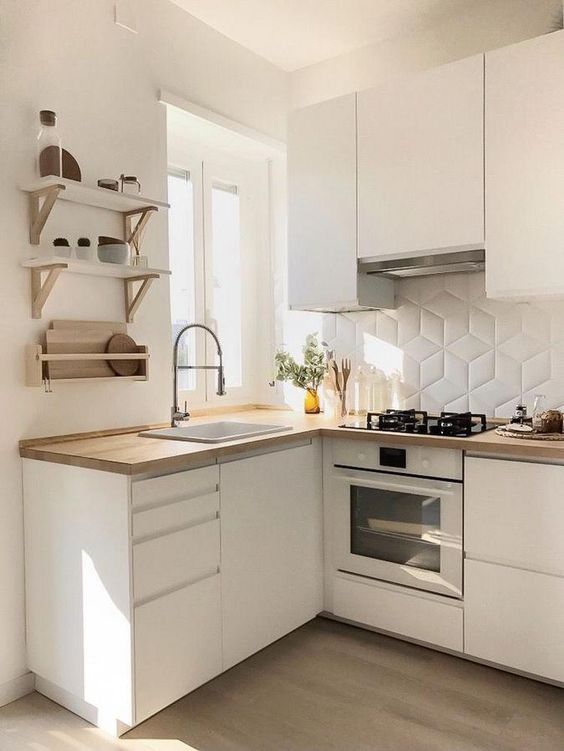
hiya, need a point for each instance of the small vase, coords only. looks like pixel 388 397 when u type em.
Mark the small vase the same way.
pixel 311 402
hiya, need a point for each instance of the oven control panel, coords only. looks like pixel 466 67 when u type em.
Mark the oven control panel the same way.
pixel 413 460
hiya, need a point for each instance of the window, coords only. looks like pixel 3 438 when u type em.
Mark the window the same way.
pixel 213 247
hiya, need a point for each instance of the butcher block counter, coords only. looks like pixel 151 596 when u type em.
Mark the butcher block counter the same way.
pixel 125 452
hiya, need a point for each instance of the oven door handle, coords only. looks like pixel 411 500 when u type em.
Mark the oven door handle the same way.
pixel 444 487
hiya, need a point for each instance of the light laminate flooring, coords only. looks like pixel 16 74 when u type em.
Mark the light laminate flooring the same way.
pixel 325 687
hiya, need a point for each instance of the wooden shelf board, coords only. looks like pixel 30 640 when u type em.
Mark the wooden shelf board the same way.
pixel 93 356
pixel 53 381
pixel 101 198
pixel 94 268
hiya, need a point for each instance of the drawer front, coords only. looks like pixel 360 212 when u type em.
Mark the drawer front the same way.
pixel 180 485
pixel 163 563
pixel 515 618
pixel 514 513
pixel 400 613
pixel 171 516
pixel 445 463
pixel 177 645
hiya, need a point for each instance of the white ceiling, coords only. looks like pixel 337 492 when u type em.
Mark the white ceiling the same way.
pixel 295 33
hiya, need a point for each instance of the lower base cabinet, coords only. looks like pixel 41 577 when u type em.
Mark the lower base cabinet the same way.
pixel 177 644
pixel 515 618
pixel 271 547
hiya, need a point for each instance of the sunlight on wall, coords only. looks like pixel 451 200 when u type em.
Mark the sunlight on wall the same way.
pixel 382 355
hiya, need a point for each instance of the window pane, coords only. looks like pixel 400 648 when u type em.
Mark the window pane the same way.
pixel 226 271
pixel 181 251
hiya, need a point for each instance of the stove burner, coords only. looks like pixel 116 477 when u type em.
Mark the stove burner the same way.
pixel 452 424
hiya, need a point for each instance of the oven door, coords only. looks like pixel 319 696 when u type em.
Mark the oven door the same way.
pixel 399 529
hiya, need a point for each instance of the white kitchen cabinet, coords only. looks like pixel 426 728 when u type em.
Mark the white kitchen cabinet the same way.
pixel 177 644
pixel 514 514
pixel 525 168
pixel 514 568
pixel 421 163
pixel 322 212
pixel 122 588
pixel 271 547
pixel 515 618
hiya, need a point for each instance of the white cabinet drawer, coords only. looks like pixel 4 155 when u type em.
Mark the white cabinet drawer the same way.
pixel 412 615
pixel 514 513
pixel 175 515
pixel 177 645
pixel 162 563
pixel 180 485
pixel 515 618
pixel 446 463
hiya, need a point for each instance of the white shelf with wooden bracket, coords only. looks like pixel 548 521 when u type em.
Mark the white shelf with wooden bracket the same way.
pixel 52 266
pixel 44 193
pixel 37 373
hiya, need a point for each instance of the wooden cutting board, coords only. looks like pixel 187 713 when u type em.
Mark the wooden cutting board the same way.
pixel 78 341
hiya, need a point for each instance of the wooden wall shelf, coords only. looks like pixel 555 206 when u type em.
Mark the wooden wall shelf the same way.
pixel 44 193
pixel 37 373
pixel 52 267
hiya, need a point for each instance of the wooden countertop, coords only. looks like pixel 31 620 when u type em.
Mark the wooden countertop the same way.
pixel 125 452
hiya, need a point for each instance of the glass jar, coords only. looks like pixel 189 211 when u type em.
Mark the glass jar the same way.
pixel 538 410
pixel 49 149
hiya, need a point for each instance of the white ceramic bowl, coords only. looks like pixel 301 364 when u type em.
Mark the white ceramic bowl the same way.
pixel 116 253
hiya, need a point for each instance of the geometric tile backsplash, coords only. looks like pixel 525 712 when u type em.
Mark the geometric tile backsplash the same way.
pixel 453 348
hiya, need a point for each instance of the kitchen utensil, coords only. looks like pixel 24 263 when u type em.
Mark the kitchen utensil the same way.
pixel 123 343
pixel 346 371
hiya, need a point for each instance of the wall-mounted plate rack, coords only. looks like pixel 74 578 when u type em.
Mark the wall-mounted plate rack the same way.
pixel 52 267
pixel 37 373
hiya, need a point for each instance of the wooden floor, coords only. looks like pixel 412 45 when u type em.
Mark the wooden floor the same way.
pixel 325 687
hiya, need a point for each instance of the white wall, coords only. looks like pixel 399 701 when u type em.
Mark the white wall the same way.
pixel 103 81
pixel 485 25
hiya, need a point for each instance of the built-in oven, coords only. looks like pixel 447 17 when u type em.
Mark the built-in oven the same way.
pixel 396 519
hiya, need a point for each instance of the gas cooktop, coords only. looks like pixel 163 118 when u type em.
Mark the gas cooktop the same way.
pixel 454 424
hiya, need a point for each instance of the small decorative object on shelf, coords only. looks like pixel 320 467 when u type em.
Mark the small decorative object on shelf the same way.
pixel 83 249
pixel 130 184
pixel 49 148
pixel 307 376
pixel 112 250
pixel 108 184
pixel 63 247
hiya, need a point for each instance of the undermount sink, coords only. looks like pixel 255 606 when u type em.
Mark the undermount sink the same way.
pixel 215 432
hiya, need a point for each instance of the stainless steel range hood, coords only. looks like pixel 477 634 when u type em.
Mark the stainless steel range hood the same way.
pixel 440 263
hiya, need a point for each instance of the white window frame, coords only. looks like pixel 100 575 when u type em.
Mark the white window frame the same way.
pixel 247 176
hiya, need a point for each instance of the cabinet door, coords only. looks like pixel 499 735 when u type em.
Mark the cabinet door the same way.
pixel 514 514
pixel 515 618
pixel 177 644
pixel 271 549
pixel 322 204
pixel 525 168
pixel 420 163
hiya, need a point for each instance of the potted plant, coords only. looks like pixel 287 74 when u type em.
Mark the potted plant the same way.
pixel 308 375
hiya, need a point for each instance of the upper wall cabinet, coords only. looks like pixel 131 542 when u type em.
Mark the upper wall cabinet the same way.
pixel 421 163
pixel 525 169
pixel 322 212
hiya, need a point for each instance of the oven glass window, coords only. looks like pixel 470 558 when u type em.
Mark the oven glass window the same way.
pixel 398 527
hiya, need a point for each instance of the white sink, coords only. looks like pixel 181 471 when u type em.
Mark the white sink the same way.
pixel 215 432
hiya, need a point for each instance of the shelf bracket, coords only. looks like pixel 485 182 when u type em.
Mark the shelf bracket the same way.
pixel 40 214
pixel 40 290
pixel 133 232
pixel 134 299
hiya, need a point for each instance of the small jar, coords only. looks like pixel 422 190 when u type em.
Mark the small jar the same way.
pixel 130 184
